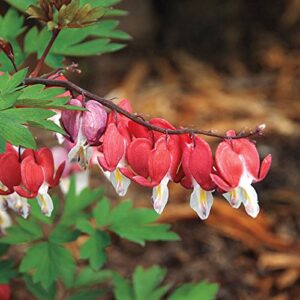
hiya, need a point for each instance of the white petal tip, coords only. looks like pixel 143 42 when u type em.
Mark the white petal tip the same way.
pixel 201 202
pixel 158 208
pixel 253 214
pixel 261 127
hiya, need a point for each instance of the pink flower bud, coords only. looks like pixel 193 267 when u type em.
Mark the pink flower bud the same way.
pixel 71 119
pixel 94 122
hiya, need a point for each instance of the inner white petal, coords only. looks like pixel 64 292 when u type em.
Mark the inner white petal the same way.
pixel 234 197
pixel 5 220
pixel 250 200
pixel 119 182
pixel 81 180
pixel 18 204
pixel 201 201
pixel 45 203
pixel 160 195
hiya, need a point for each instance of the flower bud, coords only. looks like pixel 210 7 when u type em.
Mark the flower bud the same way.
pixel 94 122
pixel 71 119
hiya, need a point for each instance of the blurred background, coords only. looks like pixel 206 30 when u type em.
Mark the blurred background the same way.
pixel 216 65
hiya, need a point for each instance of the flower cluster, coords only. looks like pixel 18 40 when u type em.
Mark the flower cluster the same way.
pixel 127 151
pixel 26 175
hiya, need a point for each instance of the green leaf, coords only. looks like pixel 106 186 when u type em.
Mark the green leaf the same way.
pixel 146 283
pixel 23 232
pixel 38 291
pixel 94 249
pixel 134 224
pixel 116 13
pixel 9 84
pixel 11 25
pixel 48 262
pixel 86 295
pixel 14 132
pixel 7 271
pixel 195 291
pixel 76 204
pixel 31 226
pixel 63 234
pixel 30 114
pixel 85 226
pixel 104 3
pixel 102 212
pixel 95 39
pixel 122 288
pixel 3 249
pixel 2 144
pixel 35 117
pixel 39 96
pixel 21 4
pixel 7 101
pixel 36 213
pixel 87 48
pixel 88 277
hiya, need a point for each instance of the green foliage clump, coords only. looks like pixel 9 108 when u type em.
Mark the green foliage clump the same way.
pixel 48 265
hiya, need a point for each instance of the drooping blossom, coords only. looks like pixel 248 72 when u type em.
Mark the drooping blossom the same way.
pixel 238 166
pixel 10 170
pixel 5 292
pixel 149 166
pixel 111 154
pixel 38 175
pixel 153 160
pixel 84 129
pixel 197 165
pixel 10 177
pixel 161 192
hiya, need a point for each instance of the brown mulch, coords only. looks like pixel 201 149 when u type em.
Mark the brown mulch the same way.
pixel 250 259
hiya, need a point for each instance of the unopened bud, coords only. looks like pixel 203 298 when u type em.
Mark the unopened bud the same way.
pixel 70 119
pixel 94 121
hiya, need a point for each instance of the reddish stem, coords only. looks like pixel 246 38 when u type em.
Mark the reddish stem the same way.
pixel 41 61
pixel 136 118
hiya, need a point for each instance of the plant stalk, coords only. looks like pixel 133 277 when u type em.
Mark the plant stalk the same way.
pixel 136 118
pixel 41 61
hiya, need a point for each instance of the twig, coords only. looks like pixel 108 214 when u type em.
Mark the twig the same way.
pixel 41 61
pixel 73 67
pixel 109 104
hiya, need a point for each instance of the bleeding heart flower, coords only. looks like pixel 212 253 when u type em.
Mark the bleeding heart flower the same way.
pixel 197 164
pixel 5 292
pixel 111 154
pixel 112 157
pixel 37 173
pixel 149 166
pixel 84 129
pixel 10 170
pixel 238 165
